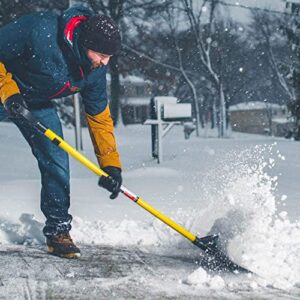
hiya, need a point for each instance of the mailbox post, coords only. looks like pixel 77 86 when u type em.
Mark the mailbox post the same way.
pixel 165 113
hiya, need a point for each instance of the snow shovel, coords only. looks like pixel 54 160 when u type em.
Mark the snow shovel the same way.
pixel 216 259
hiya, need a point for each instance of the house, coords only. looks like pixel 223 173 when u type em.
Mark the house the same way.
pixel 135 95
pixel 135 98
pixel 292 6
pixel 260 118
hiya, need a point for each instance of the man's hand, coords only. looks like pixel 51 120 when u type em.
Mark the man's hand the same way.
pixel 15 105
pixel 113 182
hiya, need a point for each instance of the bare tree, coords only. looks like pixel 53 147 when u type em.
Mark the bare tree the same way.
pixel 203 34
pixel 171 20
pixel 267 31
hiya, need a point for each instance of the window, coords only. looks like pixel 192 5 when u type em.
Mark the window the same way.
pixel 139 90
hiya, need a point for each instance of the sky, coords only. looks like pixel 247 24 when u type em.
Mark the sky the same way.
pixel 242 14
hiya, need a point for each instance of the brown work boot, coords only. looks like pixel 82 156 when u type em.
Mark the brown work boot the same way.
pixel 62 245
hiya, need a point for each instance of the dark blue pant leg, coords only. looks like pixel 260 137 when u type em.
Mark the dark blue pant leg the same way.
pixel 3 114
pixel 53 163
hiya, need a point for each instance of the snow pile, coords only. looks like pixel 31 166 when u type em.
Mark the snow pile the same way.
pixel 155 234
pixel 28 231
pixel 252 232
pixel 201 279
pixel 124 233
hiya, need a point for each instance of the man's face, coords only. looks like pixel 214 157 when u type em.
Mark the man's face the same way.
pixel 98 59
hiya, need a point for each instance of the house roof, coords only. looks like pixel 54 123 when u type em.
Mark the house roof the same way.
pixel 129 79
pixel 280 120
pixel 254 105
pixel 136 101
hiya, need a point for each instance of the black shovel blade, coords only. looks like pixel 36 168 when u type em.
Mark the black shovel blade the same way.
pixel 217 260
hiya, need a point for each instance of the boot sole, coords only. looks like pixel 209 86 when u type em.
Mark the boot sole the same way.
pixel 71 255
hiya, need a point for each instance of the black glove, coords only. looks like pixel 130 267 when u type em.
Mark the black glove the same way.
pixel 113 182
pixel 15 106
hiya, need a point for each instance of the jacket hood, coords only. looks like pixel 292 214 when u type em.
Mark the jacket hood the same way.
pixel 69 21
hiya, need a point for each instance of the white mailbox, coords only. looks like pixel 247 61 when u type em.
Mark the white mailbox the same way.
pixel 177 111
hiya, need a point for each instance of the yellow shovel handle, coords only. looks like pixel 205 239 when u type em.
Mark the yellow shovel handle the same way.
pixel 141 202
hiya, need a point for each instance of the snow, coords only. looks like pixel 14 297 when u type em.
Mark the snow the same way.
pixel 129 78
pixel 137 101
pixel 259 237
pixel 201 279
pixel 280 120
pixel 244 187
pixel 254 105
pixel 166 99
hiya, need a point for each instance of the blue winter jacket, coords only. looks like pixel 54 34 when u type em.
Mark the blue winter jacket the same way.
pixel 40 58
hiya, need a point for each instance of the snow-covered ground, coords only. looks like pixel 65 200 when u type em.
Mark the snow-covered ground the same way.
pixel 244 187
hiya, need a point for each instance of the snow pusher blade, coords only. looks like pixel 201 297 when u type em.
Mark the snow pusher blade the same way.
pixel 217 259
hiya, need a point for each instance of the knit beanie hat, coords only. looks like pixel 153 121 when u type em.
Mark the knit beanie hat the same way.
pixel 101 34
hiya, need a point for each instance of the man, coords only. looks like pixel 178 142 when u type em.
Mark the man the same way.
pixel 44 56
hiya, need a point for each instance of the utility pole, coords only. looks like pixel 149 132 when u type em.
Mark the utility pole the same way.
pixel 76 104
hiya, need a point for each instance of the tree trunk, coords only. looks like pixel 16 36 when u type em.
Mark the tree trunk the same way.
pixel 201 113
pixel 114 89
pixel 222 109
pixel 197 114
